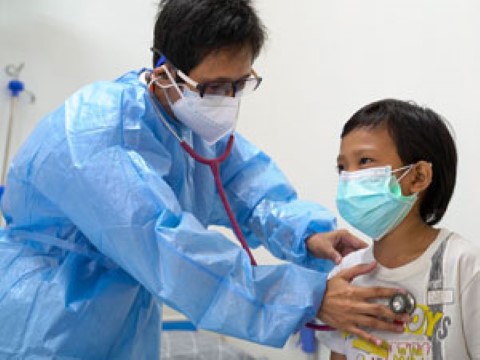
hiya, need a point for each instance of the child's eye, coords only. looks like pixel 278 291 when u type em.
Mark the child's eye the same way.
pixel 365 161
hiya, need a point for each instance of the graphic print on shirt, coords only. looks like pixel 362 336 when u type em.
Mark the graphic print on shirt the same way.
pixel 429 325
pixel 425 326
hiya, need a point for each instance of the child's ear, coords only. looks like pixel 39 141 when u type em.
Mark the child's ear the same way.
pixel 421 176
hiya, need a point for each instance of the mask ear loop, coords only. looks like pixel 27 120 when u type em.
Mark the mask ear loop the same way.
pixel 151 92
pixel 162 117
pixel 237 115
pixel 173 83
pixel 151 86
pixel 408 167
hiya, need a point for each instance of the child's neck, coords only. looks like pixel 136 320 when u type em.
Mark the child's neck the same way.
pixel 406 243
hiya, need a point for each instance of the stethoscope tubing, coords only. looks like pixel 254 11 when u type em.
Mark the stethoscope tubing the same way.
pixel 214 164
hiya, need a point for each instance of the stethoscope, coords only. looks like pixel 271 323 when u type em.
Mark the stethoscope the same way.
pixel 399 303
pixel 402 303
pixel 214 164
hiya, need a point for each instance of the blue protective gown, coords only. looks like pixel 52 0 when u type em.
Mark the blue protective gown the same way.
pixel 108 218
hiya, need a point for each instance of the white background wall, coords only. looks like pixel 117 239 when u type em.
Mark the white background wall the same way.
pixel 324 60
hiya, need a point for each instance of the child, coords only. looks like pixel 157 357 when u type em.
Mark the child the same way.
pixel 397 167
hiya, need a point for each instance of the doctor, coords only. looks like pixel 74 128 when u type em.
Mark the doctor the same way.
pixel 108 211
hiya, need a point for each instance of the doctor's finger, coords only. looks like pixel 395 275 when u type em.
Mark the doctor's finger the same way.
pixel 376 311
pixel 332 254
pixel 350 241
pixel 375 292
pixel 366 336
pixel 361 333
pixel 352 272
pixel 372 323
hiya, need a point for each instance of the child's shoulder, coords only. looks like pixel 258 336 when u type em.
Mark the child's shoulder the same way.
pixel 362 256
pixel 464 253
pixel 458 244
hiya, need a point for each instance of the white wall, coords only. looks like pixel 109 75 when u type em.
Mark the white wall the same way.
pixel 324 60
pixel 328 58
pixel 66 44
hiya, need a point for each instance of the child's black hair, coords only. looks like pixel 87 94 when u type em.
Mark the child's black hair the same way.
pixel 419 134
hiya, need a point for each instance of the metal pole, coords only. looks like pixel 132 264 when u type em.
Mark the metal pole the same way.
pixel 16 87
pixel 6 153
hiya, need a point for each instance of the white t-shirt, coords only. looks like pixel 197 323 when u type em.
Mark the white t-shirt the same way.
pixel 445 281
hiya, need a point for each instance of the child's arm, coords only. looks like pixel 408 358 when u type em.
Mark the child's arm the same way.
pixel 337 356
pixel 471 313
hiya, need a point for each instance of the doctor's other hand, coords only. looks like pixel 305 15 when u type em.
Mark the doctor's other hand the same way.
pixel 334 245
pixel 347 308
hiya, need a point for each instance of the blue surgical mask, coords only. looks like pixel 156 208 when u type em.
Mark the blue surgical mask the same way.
pixel 371 200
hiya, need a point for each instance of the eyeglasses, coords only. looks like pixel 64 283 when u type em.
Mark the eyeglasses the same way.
pixel 236 88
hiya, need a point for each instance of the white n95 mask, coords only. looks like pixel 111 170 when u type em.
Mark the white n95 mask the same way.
pixel 371 200
pixel 210 117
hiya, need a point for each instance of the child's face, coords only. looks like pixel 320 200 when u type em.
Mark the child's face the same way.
pixel 364 148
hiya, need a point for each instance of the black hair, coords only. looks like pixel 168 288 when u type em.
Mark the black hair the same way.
pixel 188 30
pixel 419 133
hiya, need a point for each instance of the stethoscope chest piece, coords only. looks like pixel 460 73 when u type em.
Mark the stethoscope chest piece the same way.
pixel 402 303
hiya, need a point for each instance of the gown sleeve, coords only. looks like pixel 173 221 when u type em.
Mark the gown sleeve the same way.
pixel 128 211
pixel 268 209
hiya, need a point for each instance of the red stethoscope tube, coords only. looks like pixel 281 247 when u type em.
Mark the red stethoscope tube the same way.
pixel 214 165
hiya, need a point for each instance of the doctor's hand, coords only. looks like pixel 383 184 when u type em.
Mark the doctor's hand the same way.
pixel 347 307
pixel 334 245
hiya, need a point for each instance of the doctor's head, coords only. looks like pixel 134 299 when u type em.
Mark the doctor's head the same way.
pixel 205 48
pixel 212 42
pixel 187 32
